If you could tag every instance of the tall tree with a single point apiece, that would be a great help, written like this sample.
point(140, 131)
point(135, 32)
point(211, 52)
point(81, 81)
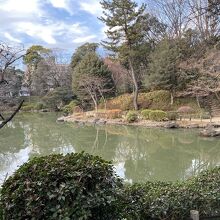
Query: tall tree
point(35, 55)
point(205, 15)
point(124, 21)
point(174, 13)
point(81, 52)
point(164, 71)
point(92, 79)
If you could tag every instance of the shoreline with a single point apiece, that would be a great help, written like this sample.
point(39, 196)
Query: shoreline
point(142, 123)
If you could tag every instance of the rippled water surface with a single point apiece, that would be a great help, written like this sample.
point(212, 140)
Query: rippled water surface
point(139, 154)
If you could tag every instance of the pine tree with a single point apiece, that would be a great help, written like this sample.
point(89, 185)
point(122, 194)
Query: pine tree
point(124, 21)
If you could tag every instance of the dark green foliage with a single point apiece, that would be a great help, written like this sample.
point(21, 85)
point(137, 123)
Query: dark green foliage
point(80, 53)
point(174, 200)
point(92, 80)
point(75, 186)
point(172, 116)
point(81, 186)
point(40, 105)
point(35, 54)
point(57, 98)
point(164, 71)
point(132, 116)
point(157, 115)
point(69, 109)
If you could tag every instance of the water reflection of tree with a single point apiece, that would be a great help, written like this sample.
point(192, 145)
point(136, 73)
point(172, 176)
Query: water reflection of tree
point(159, 154)
point(146, 154)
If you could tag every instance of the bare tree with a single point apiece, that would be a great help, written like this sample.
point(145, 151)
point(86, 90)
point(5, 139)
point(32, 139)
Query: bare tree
point(50, 72)
point(205, 16)
point(94, 87)
point(174, 14)
point(9, 55)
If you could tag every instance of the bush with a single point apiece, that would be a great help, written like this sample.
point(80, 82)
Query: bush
point(131, 117)
point(152, 100)
point(69, 109)
point(28, 107)
point(58, 98)
point(39, 106)
point(146, 114)
point(157, 115)
point(172, 116)
point(159, 200)
point(75, 186)
point(81, 186)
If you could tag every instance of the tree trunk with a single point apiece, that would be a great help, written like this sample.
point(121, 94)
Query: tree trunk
point(171, 98)
point(197, 100)
point(135, 98)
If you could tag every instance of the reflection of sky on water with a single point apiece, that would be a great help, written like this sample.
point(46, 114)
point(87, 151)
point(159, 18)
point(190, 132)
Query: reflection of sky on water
point(11, 162)
point(139, 154)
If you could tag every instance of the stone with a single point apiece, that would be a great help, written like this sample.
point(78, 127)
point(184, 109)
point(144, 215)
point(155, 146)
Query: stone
point(193, 126)
point(101, 122)
point(171, 125)
point(44, 110)
point(60, 119)
point(210, 132)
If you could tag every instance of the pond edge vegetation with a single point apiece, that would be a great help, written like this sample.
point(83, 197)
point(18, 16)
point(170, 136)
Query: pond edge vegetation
point(82, 186)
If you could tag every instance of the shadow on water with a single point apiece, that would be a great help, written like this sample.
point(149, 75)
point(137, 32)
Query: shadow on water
point(139, 154)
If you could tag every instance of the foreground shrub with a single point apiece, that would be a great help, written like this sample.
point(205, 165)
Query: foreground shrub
point(75, 186)
point(131, 117)
point(174, 200)
point(146, 114)
point(81, 186)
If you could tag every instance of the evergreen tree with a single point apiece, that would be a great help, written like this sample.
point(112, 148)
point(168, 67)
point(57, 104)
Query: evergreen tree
point(163, 72)
point(81, 52)
point(124, 21)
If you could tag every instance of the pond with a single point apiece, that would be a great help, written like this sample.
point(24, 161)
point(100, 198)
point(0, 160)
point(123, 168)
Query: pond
point(138, 154)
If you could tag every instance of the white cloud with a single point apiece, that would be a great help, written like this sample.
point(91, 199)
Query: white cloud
point(84, 39)
point(11, 38)
point(64, 4)
point(91, 6)
point(33, 22)
point(45, 33)
point(21, 6)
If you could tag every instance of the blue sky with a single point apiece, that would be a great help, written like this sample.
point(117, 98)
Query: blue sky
point(64, 24)
point(53, 23)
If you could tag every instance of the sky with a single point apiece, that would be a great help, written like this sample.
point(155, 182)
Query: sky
point(62, 24)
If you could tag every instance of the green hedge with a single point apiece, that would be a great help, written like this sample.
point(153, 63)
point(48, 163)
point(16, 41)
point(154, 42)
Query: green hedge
point(146, 114)
point(157, 115)
point(174, 200)
point(75, 186)
point(81, 186)
point(132, 116)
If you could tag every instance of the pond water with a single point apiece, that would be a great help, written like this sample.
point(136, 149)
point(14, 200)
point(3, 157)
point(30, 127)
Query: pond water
point(139, 154)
